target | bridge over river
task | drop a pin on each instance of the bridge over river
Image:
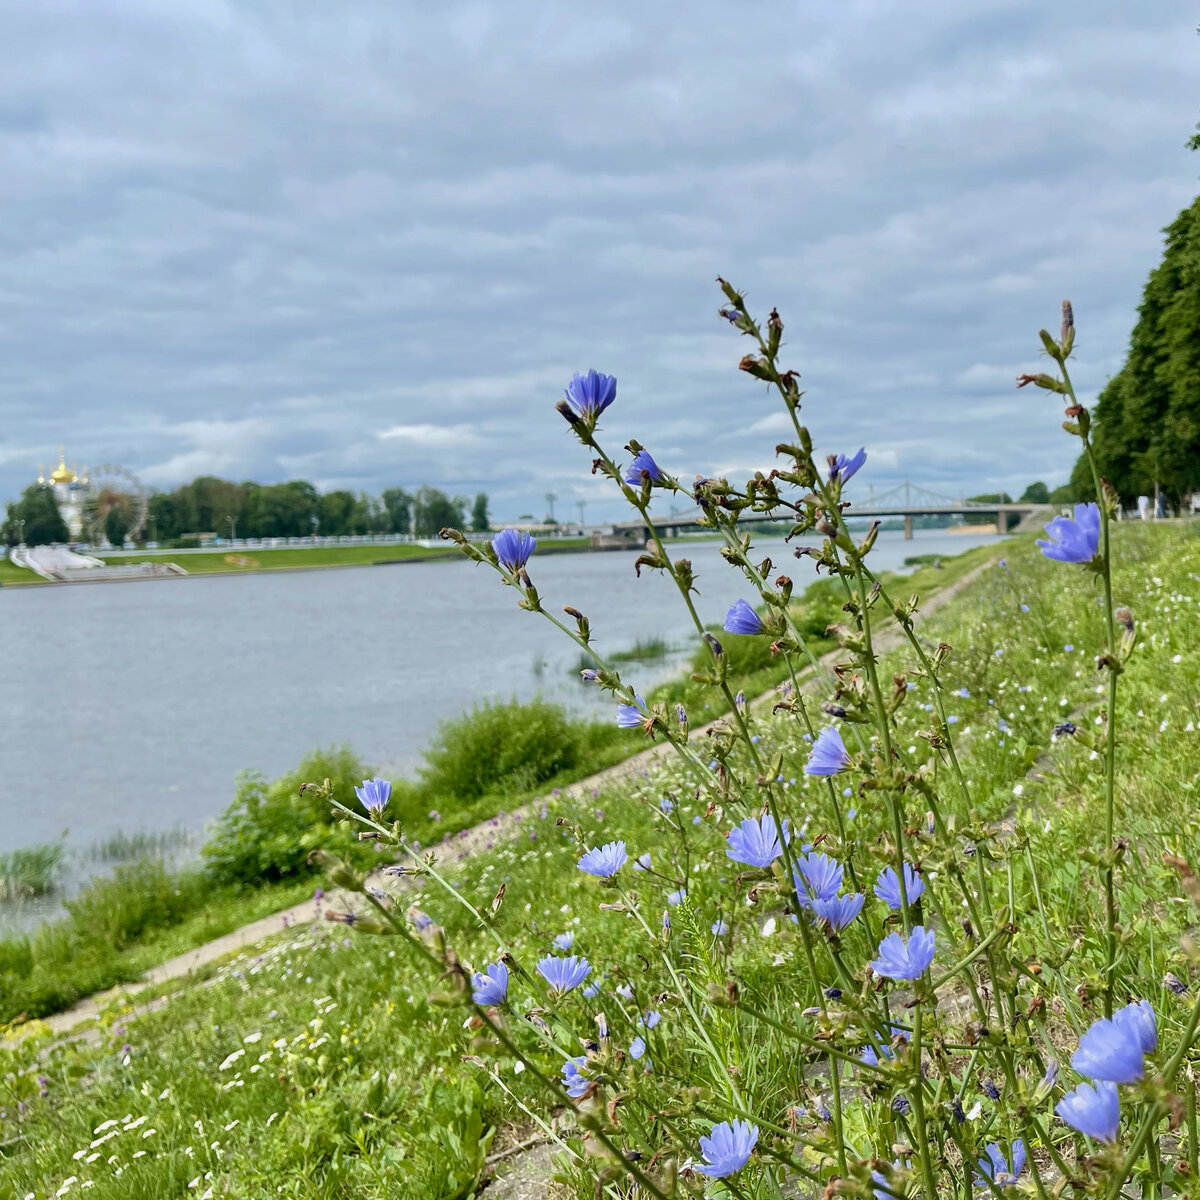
(907, 500)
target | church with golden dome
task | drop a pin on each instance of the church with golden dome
(70, 492)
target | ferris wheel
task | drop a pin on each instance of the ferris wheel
(109, 486)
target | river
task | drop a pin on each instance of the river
(133, 706)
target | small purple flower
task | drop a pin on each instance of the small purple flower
(666, 805)
(605, 861)
(374, 795)
(589, 395)
(997, 1168)
(642, 862)
(643, 463)
(1137, 1019)
(727, 1149)
(1074, 541)
(843, 468)
(574, 1079)
(513, 548)
(839, 911)
(651, 1019)
(817, 877)
(719, 928)
(563, 974)
(741, 618)
(900, 961)
(631, 716)
(887, 886)
(828, 755)
(756, 842)
(677, 897)
(964, 693)
(637, 1047)
(564, 941)
(1111, 1051)
(491, 984)
(421, 920)
(1095, 1111)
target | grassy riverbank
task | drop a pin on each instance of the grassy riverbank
(255, 862)
(258, 1084)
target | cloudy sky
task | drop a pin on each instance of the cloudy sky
(366, 244)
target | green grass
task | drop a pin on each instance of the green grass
(340, 1030)
(30, 871)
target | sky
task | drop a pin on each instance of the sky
(368, 244)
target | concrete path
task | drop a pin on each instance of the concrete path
(467, 842)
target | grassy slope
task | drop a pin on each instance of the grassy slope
(69, 962)
(345, 1029)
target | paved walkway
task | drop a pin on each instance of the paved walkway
(469, 841)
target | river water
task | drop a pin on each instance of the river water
(132, 706)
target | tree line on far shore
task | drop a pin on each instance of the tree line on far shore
(292, 509)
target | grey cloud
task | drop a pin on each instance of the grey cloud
(252, 240)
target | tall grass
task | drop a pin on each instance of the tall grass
(30, 872)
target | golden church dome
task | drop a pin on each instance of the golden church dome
(62, 473)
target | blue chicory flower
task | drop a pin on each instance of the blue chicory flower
(513, 548)
(997, 1168)
(589, 395)
(828, 755)
(817, 877)
(741, 618)
(1137, 1019)
(677, 897)
(651, 1019)
(1095, 1111)
(631, 716)
(1074, 540)
(574, 1079)
(637, 1047)
(844, 467)
(374, 795)
(887, 886)
(727, 1149)
(642, 462)
(642, 862)
(563, 974)
(1111, 1051)
(719, 928)
(491, 984)
(564, 941)
(756, 842)
(839, 911)
(604, 861)
(898, 960)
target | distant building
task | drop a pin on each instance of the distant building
(70, 493)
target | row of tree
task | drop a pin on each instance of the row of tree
(1146, 421)
(292, 509)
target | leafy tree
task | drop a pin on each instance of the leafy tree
(341, 512)
(284, 509)
(434, 510)
(43, 522)
(1036, 493)
(480, 522)
(1146, 422)
(116, 524)
(399, 506)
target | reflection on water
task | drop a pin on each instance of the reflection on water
(132, 706)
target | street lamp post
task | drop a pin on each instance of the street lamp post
(232, 528)
(21, 527)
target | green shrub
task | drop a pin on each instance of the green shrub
(501, 747)
(269, 829)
